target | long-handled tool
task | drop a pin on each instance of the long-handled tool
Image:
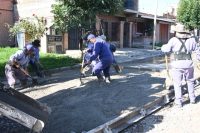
(34, 81)
(82, 57)
(168, 80)
(23, 109)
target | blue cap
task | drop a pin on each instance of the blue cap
(90, 36)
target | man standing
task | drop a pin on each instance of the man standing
(181, 46)
(101, 51)
(16, 68)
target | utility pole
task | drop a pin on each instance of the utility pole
(154, 32)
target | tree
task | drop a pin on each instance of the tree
(82, 13)
(188, 13)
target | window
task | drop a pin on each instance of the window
(129, 4)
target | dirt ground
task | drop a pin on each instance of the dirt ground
(78, 108)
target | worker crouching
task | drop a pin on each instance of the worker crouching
(16, 67)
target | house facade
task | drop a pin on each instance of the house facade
(135, 29)
(129, 29)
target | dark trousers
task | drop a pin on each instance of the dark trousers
(36, 68)
(102, 66)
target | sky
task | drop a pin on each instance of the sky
(149, 6)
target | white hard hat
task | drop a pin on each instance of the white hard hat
(180, 28)
(181, 31)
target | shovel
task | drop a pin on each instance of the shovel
(168, 81)
(34, 81)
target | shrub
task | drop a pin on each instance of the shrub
(33, 27)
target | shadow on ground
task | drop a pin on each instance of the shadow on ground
(86, 107)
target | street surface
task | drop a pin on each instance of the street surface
(77, 108)
(171, 119)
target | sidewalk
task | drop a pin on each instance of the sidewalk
(171, 119)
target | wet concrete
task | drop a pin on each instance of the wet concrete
(82, 108)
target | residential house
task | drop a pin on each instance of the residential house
(52, 41)
(135, 29)
(129, 29)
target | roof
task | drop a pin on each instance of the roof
(161, 19)
(149, 16)
(130, 11)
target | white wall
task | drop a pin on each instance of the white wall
(42, 8)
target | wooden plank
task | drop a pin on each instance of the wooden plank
(21, 117)
(24, 103)
(124, 119)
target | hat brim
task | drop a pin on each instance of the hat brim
(183, 35)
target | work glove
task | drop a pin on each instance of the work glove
(16, 64)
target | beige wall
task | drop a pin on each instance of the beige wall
(42, 8)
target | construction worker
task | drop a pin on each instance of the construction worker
(181, 46)
(16, 67)
(35, 62)
(101, 51)
(112, 48)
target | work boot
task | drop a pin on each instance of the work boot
(24, 84)
(100, 78)
(34, 81)
(192, 101)
(117, 68)
(108, 79)
(178, 105)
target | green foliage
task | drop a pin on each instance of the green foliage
(34, 27)
(188, 13)
(82, 13)
(47, 60)
(65, 16)
(4, 56)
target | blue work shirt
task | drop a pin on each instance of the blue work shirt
(21, 58)
(101, 50)
(36, 54)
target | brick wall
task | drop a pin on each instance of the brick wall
(6, 16)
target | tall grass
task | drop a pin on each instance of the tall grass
(49, 61)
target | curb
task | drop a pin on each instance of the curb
(55, 70)
(79, 65)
